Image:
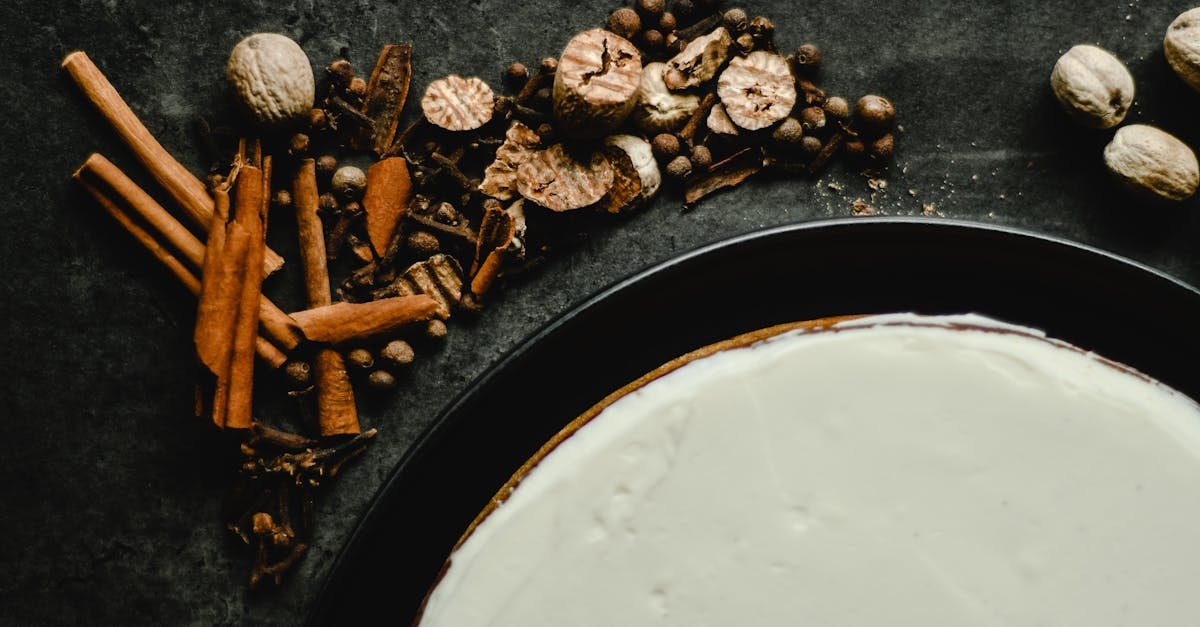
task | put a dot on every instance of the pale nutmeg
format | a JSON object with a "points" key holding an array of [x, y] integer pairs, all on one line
{"points": [[1152, 162], [458, 104], [658, 109], [272, 79], [1182, 47], [757, 90], [1093, 86]]}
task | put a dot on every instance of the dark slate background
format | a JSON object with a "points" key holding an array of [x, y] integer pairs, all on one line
{"points": [[111, 490]]}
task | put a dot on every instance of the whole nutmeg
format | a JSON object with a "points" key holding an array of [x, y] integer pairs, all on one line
{"points": [[701, 156], [1182, 47], [272, 79], [625, 22], [789, 131], [679, 168], [874, 113], [651, 8], [837, 108], [665, 146], [397, 354], [1093, 86], [348, 182], [1152, 162]]}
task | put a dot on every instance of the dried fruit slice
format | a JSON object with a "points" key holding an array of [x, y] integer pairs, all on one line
{"points": [[757, 90], [556, 180], [458, 104]]}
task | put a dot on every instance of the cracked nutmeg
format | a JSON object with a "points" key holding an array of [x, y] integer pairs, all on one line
{"points": [[556, 180], [596, 84], [757, 90]]}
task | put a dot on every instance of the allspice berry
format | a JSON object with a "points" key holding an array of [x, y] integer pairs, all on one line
{"points": [[435, 329], [327, 204], [736, 20], [679, 168], [808, 58], [874, 113], [665, 146], [745, 43], [298, 374], [667, 23], [318, 120], [854, 148], [360, 358], [790, 131], [812, 118], [381, 380], [761, 28], [397, 354], [625, 22], [326, 165], [651, 8], [357, 88], [349, 182], [515, 74], [810, 145], [701, 156], [548, 65], [684, 8], [652, 40], [837, 108], [298, 145], [422, 243], [281, 199], [340, 73], [881, 148]]}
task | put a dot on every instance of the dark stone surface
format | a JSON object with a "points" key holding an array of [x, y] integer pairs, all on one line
{"points": [[112, 490]]}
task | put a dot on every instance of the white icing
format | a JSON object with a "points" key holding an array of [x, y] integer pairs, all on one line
{"points": [[894, 472]]}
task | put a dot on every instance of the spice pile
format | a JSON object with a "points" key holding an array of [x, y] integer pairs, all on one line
{"points": [[483, 185]]}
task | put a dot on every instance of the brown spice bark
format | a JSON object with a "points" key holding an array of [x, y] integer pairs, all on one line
{"points": [[349, 322], [387, 91], [337, 412], [389, 190]]}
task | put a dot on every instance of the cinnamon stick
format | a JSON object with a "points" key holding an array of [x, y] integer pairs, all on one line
{"points": [[268, 352], [346, 322], [276, 325], [182, 185], [336, 409], [389, 190], [252, 195], [387, 91]]}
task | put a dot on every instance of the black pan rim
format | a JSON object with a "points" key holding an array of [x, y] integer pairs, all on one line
{"points": [[368, 520]]}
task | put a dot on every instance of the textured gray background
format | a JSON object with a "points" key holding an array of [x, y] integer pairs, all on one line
{"points": [[111, 490]]}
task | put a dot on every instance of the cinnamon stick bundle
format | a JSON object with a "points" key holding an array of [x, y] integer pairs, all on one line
{"points": [[227, 315], [340, 323], [268, 352], [276, 325], [336, 409], [182, 185]]}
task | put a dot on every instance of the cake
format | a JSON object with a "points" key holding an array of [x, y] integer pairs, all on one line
{"points": [[892, 470]]}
